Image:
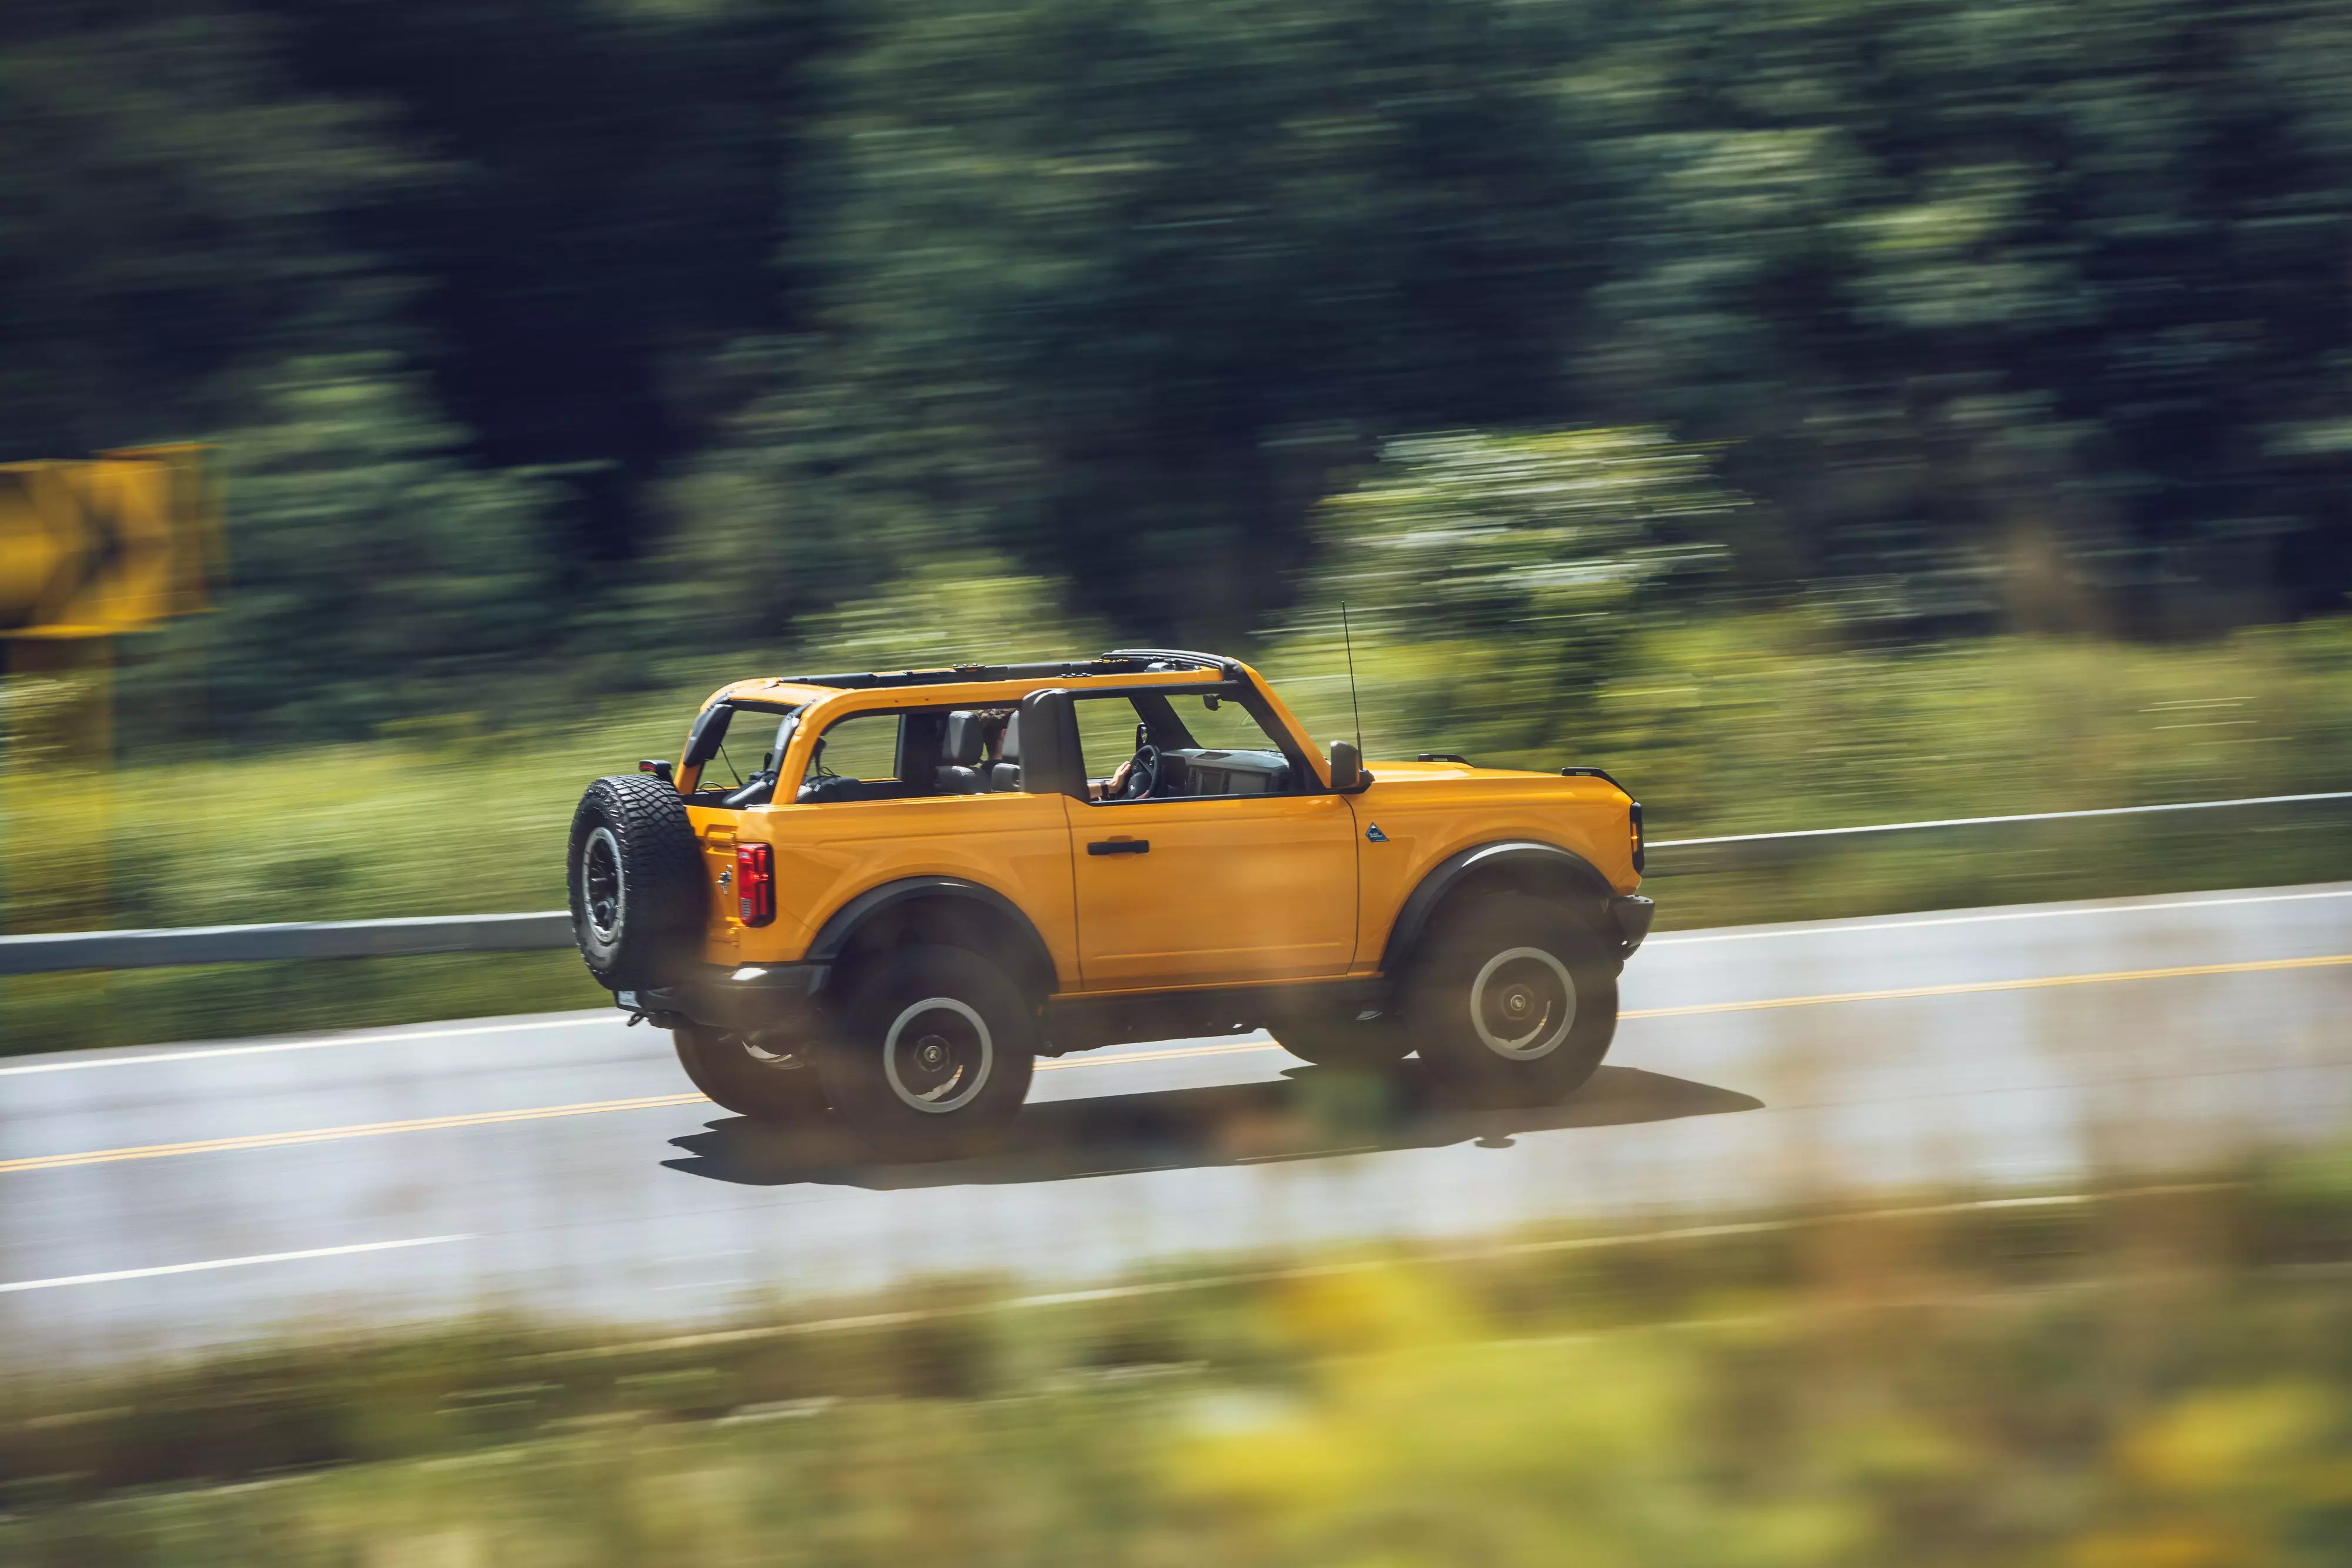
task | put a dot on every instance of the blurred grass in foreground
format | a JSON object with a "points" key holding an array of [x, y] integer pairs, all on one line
{"points": [[2153, 1376], [1745, 724]]}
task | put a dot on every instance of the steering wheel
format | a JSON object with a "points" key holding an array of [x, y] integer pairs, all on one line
{"points": [[1142, 773]]}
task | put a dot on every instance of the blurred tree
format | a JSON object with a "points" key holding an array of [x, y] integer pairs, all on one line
{"points": [[2030, 311], [1145, 274], [164, 195], [1550, 537], [1497, 583], [378, 572], [616, 192], [2027, 312]]}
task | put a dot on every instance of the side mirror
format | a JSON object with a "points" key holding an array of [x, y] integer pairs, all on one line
{"points": [[1348, 775]]}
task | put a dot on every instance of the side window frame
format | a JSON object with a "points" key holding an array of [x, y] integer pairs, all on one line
{"points": [[1158, 714], [816, 753]]}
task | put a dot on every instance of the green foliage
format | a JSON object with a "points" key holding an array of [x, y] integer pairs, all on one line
{"points": [[166, 191], [1998, 315], [376, 569], [2127, 1380], [1547, 546]]}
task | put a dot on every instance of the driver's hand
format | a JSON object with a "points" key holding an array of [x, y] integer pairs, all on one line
{"points": [[1118, 780]]}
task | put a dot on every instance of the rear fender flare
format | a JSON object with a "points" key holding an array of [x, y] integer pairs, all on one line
{"points": [[839, 933], [1528, 863]]}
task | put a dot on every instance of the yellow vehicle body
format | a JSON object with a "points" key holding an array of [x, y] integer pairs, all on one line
{"points": [[893, 945], [1235, 891]]}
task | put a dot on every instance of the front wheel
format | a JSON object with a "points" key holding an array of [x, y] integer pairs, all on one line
{"points": [[930, 1058], [742, 1076], [1515, 1004]]}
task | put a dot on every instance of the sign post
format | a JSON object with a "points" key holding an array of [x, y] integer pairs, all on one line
{"points": [[88, 551]]}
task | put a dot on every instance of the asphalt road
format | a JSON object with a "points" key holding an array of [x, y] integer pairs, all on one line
{"points": [[175, 1197]]}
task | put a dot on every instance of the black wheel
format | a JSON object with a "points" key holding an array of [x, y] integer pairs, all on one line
{"points": [[1514, 1004], [742, 1076], [637, 896], [931, 1056], [1367, 1045]]}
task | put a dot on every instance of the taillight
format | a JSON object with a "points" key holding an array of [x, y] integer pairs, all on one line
{"points": [[1633, 816], [755, 884]]}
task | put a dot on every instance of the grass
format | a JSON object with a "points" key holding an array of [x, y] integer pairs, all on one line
{"points": [[1747, 724], [2161, 1376]]}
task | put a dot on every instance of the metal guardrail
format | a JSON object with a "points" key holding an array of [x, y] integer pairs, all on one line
{"points": [[170, 947], [1736, 850], [547, 930]]}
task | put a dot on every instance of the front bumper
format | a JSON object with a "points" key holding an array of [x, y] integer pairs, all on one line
{"points": [[1632, 914], [753, 999]]}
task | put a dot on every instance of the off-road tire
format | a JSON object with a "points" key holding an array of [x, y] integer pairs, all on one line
{"points": [[930, 1056], [637, 897], [1348, 1045], [739, 1077], [1513, 1004]]}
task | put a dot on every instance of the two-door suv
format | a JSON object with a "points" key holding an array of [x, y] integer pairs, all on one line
{"points": [[932, 877]]}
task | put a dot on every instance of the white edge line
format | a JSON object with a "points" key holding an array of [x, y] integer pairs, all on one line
{"points": [[318, 1044], [229, 1262], [1849, 927]]}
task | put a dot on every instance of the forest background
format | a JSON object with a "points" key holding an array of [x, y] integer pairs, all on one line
{"points": [[1815, 410]]}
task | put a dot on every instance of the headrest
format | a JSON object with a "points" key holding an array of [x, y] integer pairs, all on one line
{"points": [[965, 741], [1012, 749]]}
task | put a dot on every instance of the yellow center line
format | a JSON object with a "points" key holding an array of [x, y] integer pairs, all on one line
{"points": [[657, 1101], [328, 1134], [1975, 988]]}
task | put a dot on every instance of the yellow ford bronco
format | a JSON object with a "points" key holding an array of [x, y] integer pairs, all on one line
{"points": [[932, 877]]}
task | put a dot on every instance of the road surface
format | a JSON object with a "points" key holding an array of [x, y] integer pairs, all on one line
{"points": [[177, 1196]]}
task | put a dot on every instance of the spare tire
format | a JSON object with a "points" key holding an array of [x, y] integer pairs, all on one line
{"points": [[637, 897]]}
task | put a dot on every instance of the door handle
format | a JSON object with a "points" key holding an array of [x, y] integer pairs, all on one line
{"points": [[1119, 847]]}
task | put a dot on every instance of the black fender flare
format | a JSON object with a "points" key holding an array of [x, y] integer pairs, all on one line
{"points": [[840, 929], [1531, 859]]}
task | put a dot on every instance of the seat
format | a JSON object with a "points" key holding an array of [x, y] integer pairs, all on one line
{"points": [[966, 742], [1004, 777]]}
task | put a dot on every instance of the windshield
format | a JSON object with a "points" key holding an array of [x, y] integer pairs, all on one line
{"points": [[744, 742]]}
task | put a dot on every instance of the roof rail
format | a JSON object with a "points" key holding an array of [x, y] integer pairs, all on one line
{"points": [[1218, 662], [1119, 662]]}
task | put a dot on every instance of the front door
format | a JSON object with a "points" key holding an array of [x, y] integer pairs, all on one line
{"points": [[1181, 889], [1216, 890]]}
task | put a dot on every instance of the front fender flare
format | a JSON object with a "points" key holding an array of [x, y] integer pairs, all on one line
{"points": [[1531, 858]]}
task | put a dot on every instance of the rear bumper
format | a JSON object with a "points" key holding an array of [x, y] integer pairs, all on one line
{"points": [[1632, 914], [750, 999]]}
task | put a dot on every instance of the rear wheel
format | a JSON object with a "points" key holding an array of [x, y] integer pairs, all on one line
{"points": [[1515, 1004], [931, 1056], [747, 1078]]}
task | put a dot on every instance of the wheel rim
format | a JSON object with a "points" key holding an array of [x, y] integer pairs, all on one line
{"points": [[938, 1055], [1523, 1003], [604, 891]]}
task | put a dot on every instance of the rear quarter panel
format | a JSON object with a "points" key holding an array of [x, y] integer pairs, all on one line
{"points": [[1429, 811], [826, 855]]}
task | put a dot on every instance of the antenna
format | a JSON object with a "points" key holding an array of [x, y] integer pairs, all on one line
{"points": [[1349, 638]]}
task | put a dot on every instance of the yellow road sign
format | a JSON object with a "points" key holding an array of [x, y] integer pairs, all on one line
{"points": [[102, 547]]}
